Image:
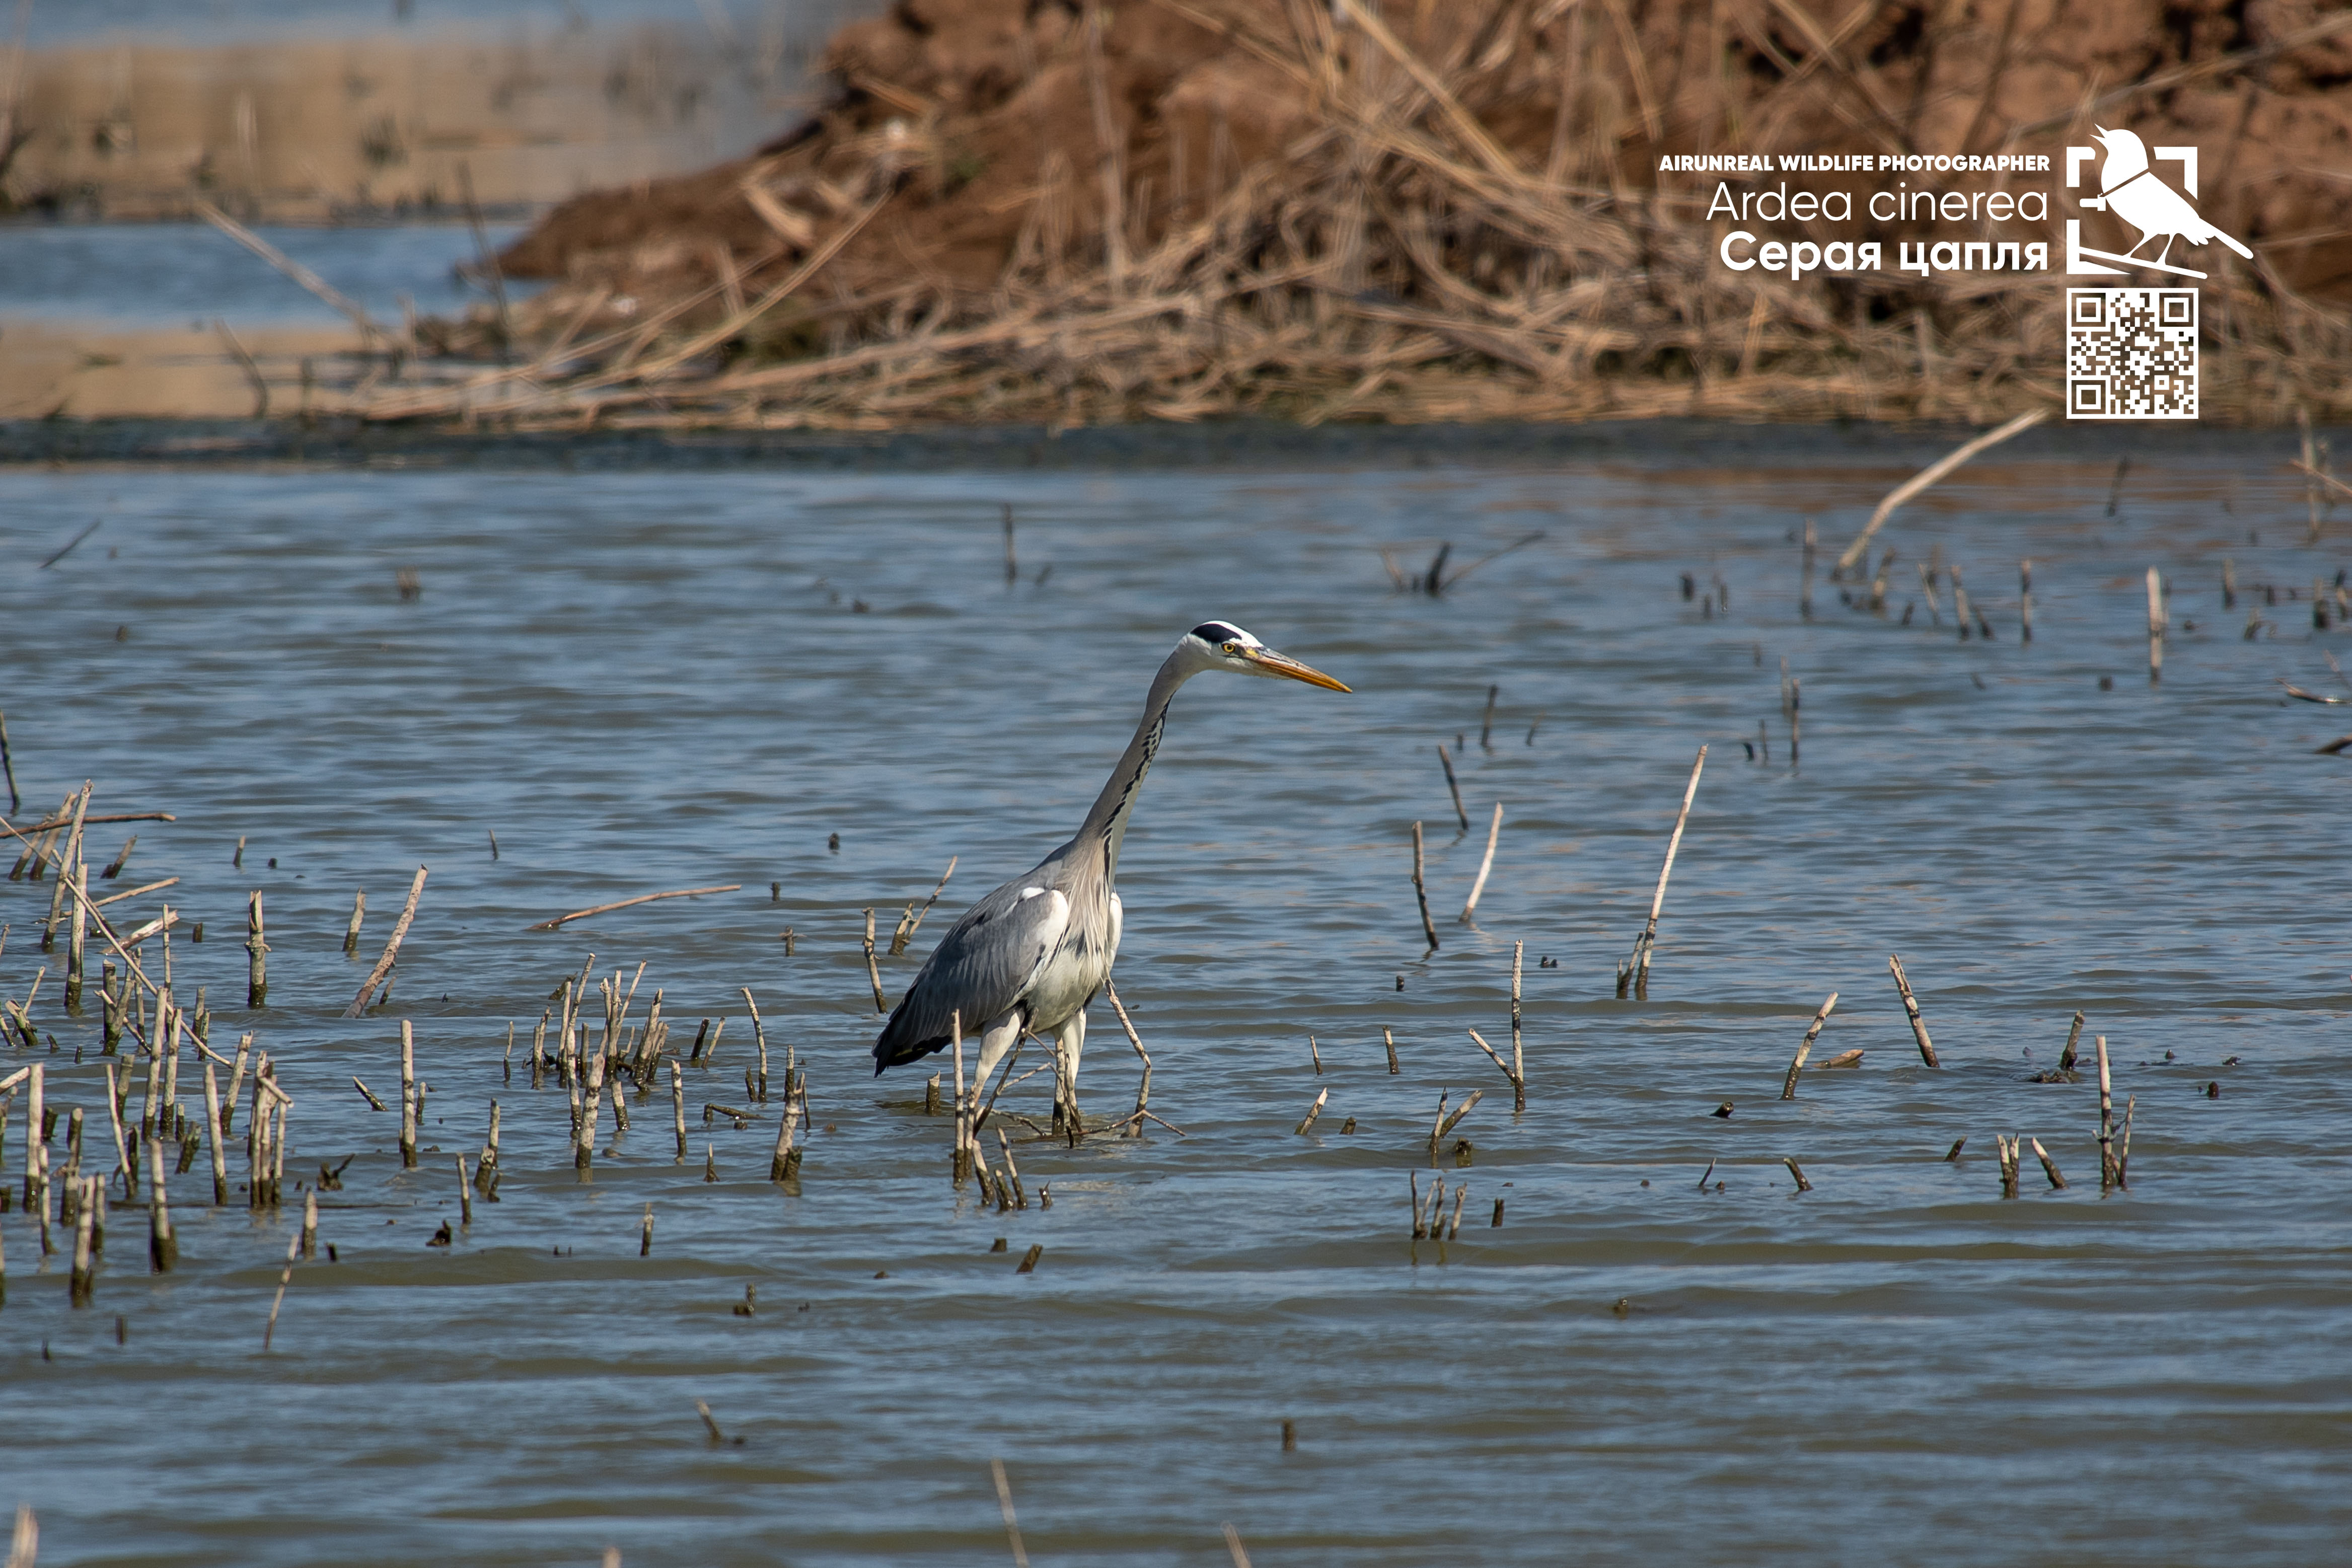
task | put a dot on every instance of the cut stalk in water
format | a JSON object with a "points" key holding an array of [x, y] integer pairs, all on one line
{"points": [[1923, 479], [1635, 973], [1797, 1065], [1911, 1010], [1452, 788], [391, 948], [1421, 891], [1478, 887]]}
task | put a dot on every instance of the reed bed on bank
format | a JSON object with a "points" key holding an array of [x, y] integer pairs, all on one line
{"points": [[1199, 209]]}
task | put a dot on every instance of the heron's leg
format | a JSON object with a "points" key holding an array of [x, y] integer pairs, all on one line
{"points": [[1070, 1039], [2166, 250], [996, 1038]]}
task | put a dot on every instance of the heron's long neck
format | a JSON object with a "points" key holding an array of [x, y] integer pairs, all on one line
{"points": [[1107, 820]]}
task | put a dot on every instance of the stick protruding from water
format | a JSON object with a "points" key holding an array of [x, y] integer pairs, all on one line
{"points": [[1911, 1010], [1633, 974], [1797, 1064]]}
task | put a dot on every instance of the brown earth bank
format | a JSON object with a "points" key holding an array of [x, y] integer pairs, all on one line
{"points": [[1180, 209]]}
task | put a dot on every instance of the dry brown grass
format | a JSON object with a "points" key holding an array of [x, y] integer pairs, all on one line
{"points": [[1206, 209]]}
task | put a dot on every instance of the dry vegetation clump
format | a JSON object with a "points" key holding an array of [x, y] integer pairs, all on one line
{"points": [[1183, 209]]}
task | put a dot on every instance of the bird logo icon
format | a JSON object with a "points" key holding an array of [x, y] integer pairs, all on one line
{"points": [[2131, 189]]}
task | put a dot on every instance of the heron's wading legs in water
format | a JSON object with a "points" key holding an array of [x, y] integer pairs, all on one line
{"points": [[1030, 955]]}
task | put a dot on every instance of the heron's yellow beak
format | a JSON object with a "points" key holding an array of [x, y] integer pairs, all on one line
{"points": [[1275, 663]]}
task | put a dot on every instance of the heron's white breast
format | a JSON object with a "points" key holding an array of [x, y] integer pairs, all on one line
{"points": [[1075, 969]]}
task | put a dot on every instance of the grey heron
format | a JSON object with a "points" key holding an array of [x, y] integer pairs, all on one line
{"points": [[1028, 957]]}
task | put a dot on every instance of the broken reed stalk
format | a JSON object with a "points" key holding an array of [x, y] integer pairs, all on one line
{"points": [[2049, 1166], [1636, 972], [77, 938], [899, 944], [1421, 891], [872, 971], [1519, 1056], [1797, 1064], [162, 1247], [351, 933], [1389, 1039], [2156, 619], [257, 976], [408, 1095], [1797, 1171], [1004, 1504], [2066, 1057], [2106, 1121], [759, 1036], [1486, 720], [784, 1165], [486, 1169], [1923, 478], [67, 858], [79, 1285], [2025, 601], [1518, 1089], [1452, 788], [678, 1105], [1911, 1010], [626, 902], [1445, 1124], [326, 292], [391, 948], [2010, 1155], [1143, 1089], [1312, 1113], [293, 1249], [1478, 887], [213, 1136], [583, 1154], [2123, 1145]]}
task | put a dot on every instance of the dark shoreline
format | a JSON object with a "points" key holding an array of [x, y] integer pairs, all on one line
{"points": [[1238, 444]]}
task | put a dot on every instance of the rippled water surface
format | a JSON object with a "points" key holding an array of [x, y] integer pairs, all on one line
{"points": [[656, 680]]}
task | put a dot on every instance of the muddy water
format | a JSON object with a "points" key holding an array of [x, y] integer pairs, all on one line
{"points": [[645, 681]]}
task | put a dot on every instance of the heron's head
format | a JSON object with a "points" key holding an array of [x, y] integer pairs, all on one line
{"points": [[1221, 645]]}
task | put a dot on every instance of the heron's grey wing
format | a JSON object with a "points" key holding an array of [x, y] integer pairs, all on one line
{"points": [[979, 970]]}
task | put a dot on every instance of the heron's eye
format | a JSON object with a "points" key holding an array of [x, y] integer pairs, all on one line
{"points": [[1234, 648]]}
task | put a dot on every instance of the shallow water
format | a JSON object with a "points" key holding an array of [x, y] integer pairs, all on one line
{"points": [[128, 275], [653, 680]]}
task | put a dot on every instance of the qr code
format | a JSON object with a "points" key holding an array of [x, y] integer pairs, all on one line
{"points": [[2131, 353]]}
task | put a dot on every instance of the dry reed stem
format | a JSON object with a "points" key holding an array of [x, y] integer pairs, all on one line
{"points": [[1926, 477], [625, 903], [1911, 1010], [1637, 968], [1797, 1064], [391, 948], [1421, 891], [341, 303], [1397, 259], [1493, 832]]}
